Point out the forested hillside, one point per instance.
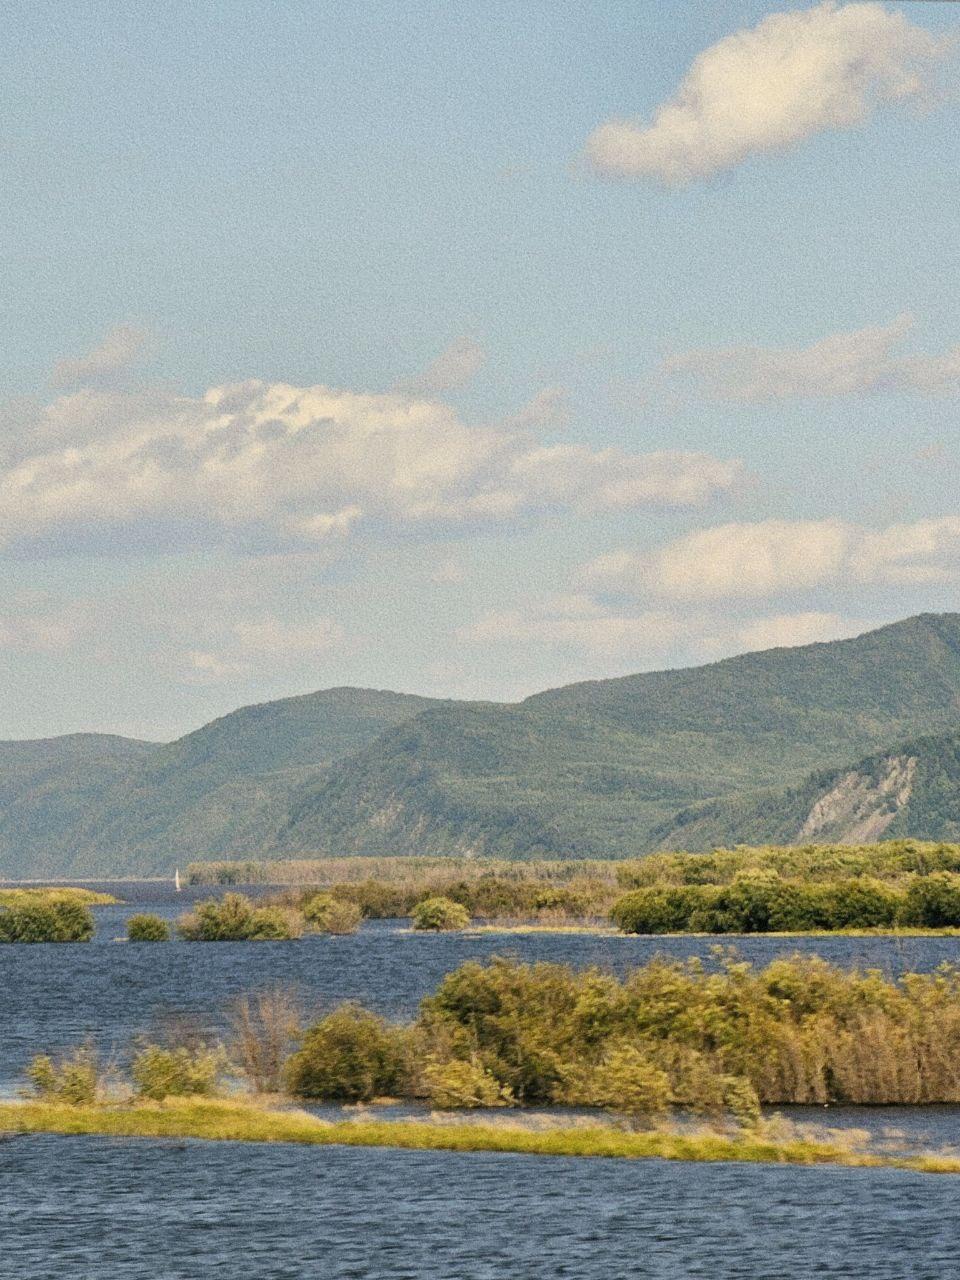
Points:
(762, 747)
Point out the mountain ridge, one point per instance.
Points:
(594, 768)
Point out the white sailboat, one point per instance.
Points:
(176, 879)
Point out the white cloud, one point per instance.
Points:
(862, 360)
(606, 638)
(456, 366)
(768, 88)
(246, 643)
(34, 622)
(120, 348)
(770, 557)
(261, 464)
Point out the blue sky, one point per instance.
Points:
(558, 341)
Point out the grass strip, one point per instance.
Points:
(221, 1121)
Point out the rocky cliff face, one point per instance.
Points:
(861, 806)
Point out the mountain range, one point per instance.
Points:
(846, 740)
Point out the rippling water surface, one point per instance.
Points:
(92, 1207)
(95, 1207)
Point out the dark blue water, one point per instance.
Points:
(93, 1207)
(53, 997)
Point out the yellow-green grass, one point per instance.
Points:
(20, 896)
(230, 1121)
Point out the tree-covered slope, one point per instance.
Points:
(598, 768)
(89, 804)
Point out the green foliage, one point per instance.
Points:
(624, 1080)
(57, 920)
(439, 915)
(161, 1072)
(459, 1084)
(351, 1055)
(73, 1079)
(933, 901)
(327, 914)
(234, 918)
(147, 928)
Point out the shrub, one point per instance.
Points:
(933, 901)
(62, 920)
(234, 918)
(147, 928)
(457, 1084)
(74, 1079)
(439, 915)
(160, 1072)
(263, 1027)
(328, 914)
(625, 1080)
(350, 1055)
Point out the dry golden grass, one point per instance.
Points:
(223, 1121)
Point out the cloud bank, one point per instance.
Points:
(257, 465)
(773, 557)
(769, 88)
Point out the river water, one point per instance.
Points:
(91, 1207)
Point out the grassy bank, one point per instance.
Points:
(240, 1122)
(19, 897)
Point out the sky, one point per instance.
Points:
(465, 350)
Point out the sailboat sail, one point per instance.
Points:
(176, 879)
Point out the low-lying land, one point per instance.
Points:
(17, 896)
(214, 1120)
(718, 1041)
(816, 888)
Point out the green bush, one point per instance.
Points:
(439, 915)
(624, 1080)
(147, 928)
(933, 901)
(328, 914)
(51, 921)
(457, 1084)
(74, 1078)
(160, 1072)
(350, 1055)
(234, 918)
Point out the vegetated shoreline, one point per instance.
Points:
(228, 1121)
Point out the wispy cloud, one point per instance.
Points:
(773, 557)
(122, 347)
(768, 88)
(849, 363)
(454, 368)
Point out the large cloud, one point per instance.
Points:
(861, 360)
(770, 87)
(259, 464)
(773, 557)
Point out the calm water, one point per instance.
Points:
(93, 1207)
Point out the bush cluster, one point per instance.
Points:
(326, 914)
(762, 902)
(234, 918)
(56, 920)
(147, 928)
(439, 915)
(669, 1034)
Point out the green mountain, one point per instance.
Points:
(611, 767)
(89, 804)
(598, 768)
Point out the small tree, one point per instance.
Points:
(147, 928)
(159, 1072)
(76, 1078)
(328, 914)
(264, 1025)
(438, 915)
(351, 1055)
